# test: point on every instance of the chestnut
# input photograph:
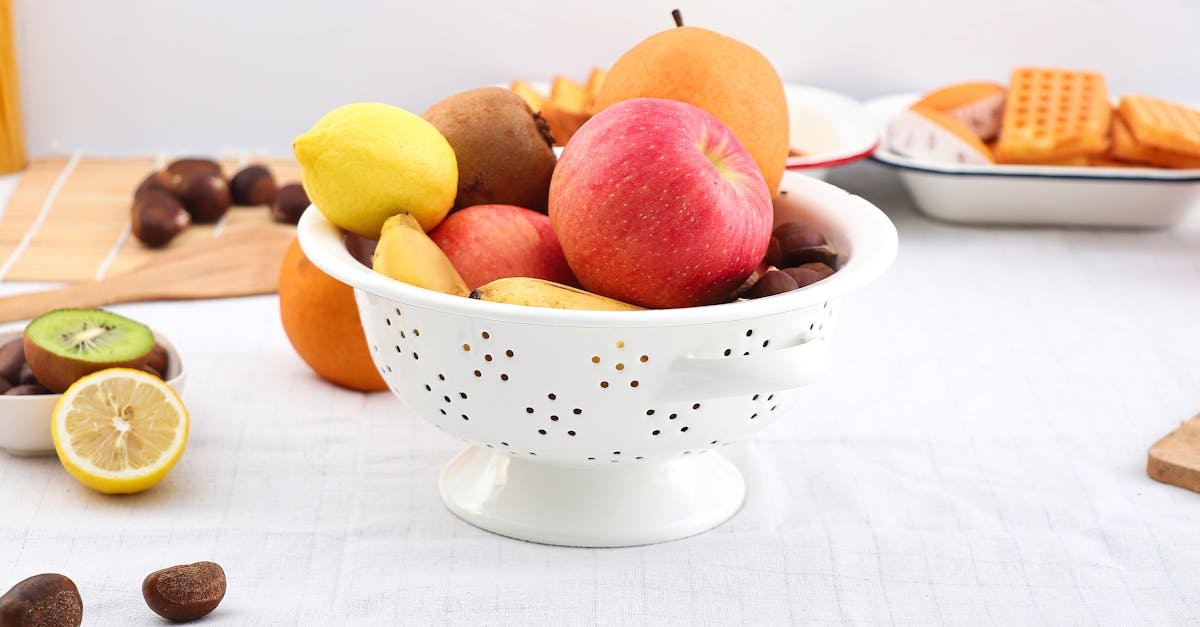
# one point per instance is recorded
(809, 273)
(205, 197)
(12, 358)
(290, 202)
(27, 377)
(191, 166)
(361, 248)
(772, 283)
(796, 243)
(158, 181)
(27, 389)
(253, 185)
(158, 218)
(48, 599)
(185, 592)
(159, 359)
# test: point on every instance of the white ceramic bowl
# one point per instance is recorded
(832, 129)
(590, 428)
(1038, 195)
(25, 420)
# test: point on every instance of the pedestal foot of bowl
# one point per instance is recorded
(613, 504)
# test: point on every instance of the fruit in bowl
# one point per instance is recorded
(407, 254)
(658, 204)
(593, 415)
(719, 74)
(503, 148)
(641, 215)
(365, 162)
(655, 204)
(489, 242)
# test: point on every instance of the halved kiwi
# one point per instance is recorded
(65, 345)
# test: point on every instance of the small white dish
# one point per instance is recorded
(25, 420)
(1037, 195)
(830, 128)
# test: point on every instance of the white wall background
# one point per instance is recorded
(224, 76)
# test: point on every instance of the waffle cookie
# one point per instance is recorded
(1126, 147)
(927, 134)
(1054, 114)
(1162, 125)
(979, 106)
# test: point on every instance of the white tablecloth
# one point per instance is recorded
(977, 456)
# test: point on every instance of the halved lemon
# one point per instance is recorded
(119, 430)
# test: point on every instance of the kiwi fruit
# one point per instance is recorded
(504, 150)
(65, 345)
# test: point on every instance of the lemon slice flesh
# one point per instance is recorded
(119, 431)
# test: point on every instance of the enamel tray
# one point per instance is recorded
(1133, 197)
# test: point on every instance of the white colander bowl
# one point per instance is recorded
(591, 428)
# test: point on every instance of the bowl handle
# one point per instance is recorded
(766, 371)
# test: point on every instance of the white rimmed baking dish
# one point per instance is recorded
(1130, 197)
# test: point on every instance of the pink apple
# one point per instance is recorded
(656, 203)
(489, 242)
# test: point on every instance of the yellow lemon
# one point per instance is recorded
(119, 430)
(365, 162)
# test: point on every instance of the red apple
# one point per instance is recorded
(656, 203)
(489, 242)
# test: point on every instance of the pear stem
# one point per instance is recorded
(678, 15)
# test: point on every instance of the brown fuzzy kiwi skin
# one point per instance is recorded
(504, 151)
(57, 373)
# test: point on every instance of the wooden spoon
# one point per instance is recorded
(241, 262)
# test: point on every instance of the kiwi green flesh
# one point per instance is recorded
(90, 335)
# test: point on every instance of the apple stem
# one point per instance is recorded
(678, 15)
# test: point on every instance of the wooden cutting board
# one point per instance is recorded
(1175, 459)
(68, 218)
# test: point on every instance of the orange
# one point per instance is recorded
(719, 74)
(320, 318)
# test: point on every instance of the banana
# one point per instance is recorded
(406, 253)
(540, 293)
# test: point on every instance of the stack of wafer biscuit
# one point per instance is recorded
(1156, 132)
(1047, 117)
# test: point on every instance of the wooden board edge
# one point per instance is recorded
(1175, 458)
